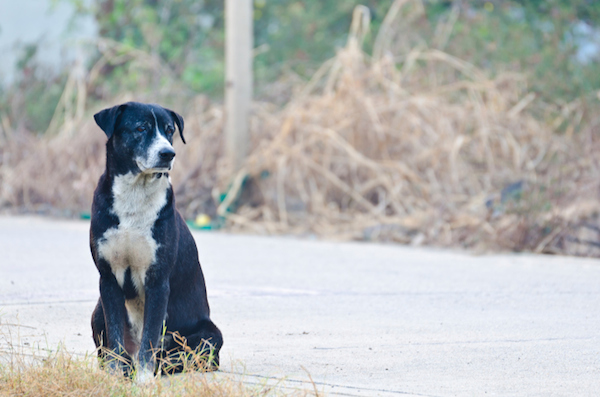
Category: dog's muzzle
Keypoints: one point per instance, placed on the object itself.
(165, 157)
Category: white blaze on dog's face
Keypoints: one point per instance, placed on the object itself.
(159, 155)
(155, 151)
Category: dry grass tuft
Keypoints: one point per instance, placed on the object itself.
(62, 374)
(42, 372)
(411, 145)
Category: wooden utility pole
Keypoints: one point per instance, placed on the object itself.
(238, 79)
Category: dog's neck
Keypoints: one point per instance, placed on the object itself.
(115, 169)
(142, 193)
(150, 182)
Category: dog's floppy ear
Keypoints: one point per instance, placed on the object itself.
(107, 118)
(177, 119)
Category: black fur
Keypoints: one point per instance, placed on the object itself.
(174, 287)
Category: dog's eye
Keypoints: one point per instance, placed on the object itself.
(140, 128)
(170, 130)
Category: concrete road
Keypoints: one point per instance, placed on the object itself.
(362, 319)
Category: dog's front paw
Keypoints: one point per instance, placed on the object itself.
(144, 376)
(118, 366)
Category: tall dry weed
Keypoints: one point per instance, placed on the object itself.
(420, 147)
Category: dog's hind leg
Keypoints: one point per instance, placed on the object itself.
(99, 327)
(198, 351)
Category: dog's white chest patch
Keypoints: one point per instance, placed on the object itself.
(138, 200)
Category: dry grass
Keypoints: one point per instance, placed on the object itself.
(411, 145)
(62, 374)
(44, 372)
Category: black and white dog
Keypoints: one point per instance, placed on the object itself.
(152, 290)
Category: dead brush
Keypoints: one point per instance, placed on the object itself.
(410, 145)
(57, 372)
(417, 146)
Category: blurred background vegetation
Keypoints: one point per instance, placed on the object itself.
(456, 123)
(553, 42)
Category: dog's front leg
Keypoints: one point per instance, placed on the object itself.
(113, 306)
(155, 312)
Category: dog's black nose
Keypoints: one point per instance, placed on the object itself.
(166, 154)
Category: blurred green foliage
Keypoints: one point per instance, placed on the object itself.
(188, 35)
(33, 96)
(300, 35)
(544, 39)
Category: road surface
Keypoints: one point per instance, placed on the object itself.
(361, 319)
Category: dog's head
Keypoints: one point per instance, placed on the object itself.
(140, 136)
